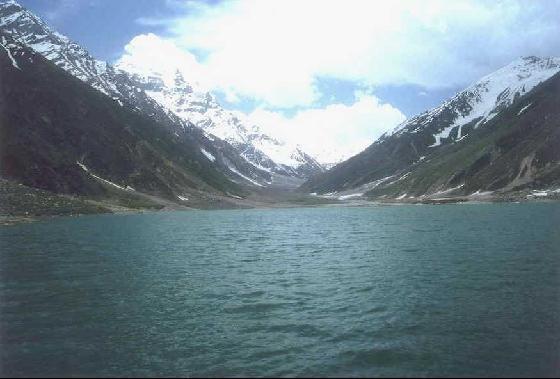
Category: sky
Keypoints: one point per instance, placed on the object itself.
(329, 75)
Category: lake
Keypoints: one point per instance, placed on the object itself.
(411, 290)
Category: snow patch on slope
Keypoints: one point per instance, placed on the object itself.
(14, 62)
(235, 171)
(208, 155)
(83, 167)
(524, 108)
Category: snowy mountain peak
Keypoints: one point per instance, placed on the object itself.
(33, 32)
(181, 83)
(481, 101)
(167, 83)
(6, 3)
(521, 75)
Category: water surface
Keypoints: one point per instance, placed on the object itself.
(377, 291)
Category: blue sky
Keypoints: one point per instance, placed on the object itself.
(344, 70)
(104, 27)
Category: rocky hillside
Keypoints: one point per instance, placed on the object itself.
(500, 134)
(59, 134)
(127, 91)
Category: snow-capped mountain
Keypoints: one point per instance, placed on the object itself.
(63, 136)
(33, 32)
(457, 122)
(188, 101)
(240, 159)
(481, 101)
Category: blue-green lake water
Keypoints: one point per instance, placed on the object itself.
(374, 291)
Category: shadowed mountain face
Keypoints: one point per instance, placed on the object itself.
(61, 135)
(259, 158)
(500, 135)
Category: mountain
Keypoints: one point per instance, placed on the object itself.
(189, 101)
(59, 134)
(243, 163)
(485, 138)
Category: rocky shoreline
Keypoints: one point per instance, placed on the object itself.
(508, 197)
(20, 204)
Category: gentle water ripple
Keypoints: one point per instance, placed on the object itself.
(380, 291)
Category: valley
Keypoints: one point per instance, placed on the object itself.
(279, 188)
(135, 136)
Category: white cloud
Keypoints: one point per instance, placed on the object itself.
(334, 132)
(273, 51)
(147, 53)
(330, 133)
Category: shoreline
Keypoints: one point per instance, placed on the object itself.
(11, 220)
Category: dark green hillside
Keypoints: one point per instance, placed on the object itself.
(23, 201)
(50, 121)
(514, 151)
(518, 149)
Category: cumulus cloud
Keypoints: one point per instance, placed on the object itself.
(148, 53)
(274, 51)
(330, 133)
(335, 132)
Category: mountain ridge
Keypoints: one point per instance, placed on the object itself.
(126, 90)
(61, 135)
(189, 101)
(419, 138)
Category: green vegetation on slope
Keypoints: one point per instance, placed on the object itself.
(50, 121)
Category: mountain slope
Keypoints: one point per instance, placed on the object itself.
(517, 151)
(59, 134)
(126, 91)
(168, 86)
(462, 120)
